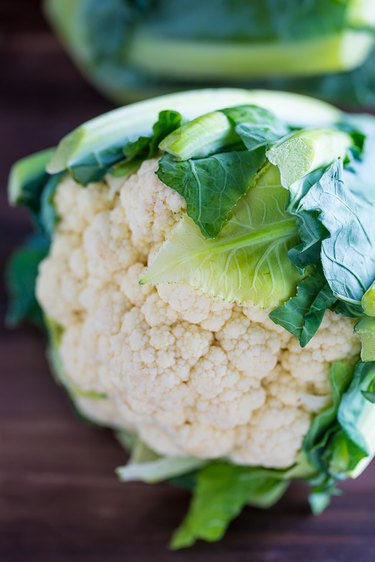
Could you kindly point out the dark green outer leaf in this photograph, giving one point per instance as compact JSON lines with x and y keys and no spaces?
{"x":310,"y":230}
{"x":32,"y":190}
{"x":212,"y":186}
{"x":335,"y":444}
{"x":168,"y":121}
{"x":48,"y":216}
{"x":340,"y":377}
{"x":21,"y":274}
{"x":146,"y":147}
{"x":255,"y":126}
{"x":302,"y":314}
{"x":344,"y":200}
{"x":353,"y":403}
{"x":95,"y":165}
{"x":347,"y":309}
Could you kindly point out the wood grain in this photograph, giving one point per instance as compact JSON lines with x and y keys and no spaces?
{"x":59,"y":498}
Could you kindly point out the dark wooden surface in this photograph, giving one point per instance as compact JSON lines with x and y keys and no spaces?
{"x":59,"y":498}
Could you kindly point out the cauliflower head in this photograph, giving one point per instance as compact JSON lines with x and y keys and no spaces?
{"x":190,"y":374}
{"x":205,"y":270}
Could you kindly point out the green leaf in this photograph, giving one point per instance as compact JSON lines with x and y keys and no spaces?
{"x":27,"y":179}
{"x":94,"y":166}
{"x":369,"y":392}
{"x":347,"y":309}
{"x":354,"y":408}
{"x":222,"y":491}
{"x":212,"y":186}
{"x":34,"y":188}
{"x":167,"y":122}
{"x":222,"y":130}
{"x":48,"y":215}
{"x":343,"y":202}
{"x":302,"y":314}
{"x":210,"y":180}
{"x":315,"y":441}
{"x":248,"y":261}
{"x":341,"y":440}
{"x":310,"y":230}
{"x":319,"y":445}
{"x":255,"y":125}
{"x":21,"y":274}
{"x":148,"y":147}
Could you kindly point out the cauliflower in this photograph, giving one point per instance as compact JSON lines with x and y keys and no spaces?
{"x":208,"y":291}
{"x":191,"y":374}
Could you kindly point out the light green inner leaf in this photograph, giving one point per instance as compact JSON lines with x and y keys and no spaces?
{"x":248,"y":261}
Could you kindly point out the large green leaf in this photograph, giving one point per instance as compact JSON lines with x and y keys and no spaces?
{"x":222,"y":491}
{"x":212,"y":186}
{"x":341,"y":439}
{"x":248,"y":261}
{"x":340,"y":377}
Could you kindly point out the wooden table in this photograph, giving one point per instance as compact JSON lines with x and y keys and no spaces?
{"x":59,"y":498}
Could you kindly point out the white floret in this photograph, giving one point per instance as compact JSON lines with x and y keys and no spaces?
{"x":190,"y":374}
{"x":274,"y":436}
{"x":151,"y":208}
{"x":252,"y":348}
{"x":60,"y":284}
{"x":107,"y":245}
{"x":227,"y":397}
{"x":210,"y":313}
{"x":129,"y":284}
{"x":77,"y":207}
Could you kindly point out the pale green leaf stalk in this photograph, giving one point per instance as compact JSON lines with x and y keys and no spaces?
{"x":333,"y":53}
{"x":365,"y":330}
{"x":200,"y":137}
{"x":306,"y":151}
{"x":368,"y":301}
{"x":159,"y":469}
{"x":25,"y":171}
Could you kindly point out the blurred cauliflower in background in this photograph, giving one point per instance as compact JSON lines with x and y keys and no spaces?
{"x":133,"y":49}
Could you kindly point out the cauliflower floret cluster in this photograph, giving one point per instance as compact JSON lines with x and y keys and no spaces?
{"x":190,"y":374}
